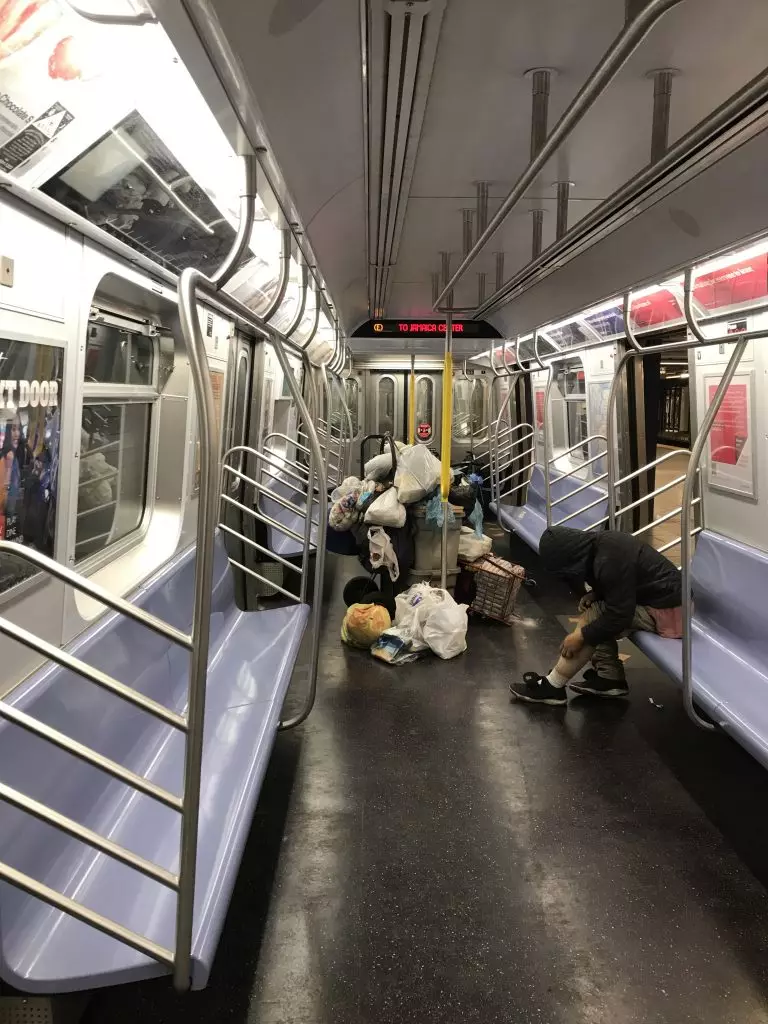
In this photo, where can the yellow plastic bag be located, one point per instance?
(363, 624)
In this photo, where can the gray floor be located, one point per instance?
(426, 851)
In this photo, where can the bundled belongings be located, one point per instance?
(418, 473)
(363, 624)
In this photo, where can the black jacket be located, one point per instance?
(621, 570)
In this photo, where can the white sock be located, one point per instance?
(557, 679)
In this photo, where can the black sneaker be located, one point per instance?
(536, 689)
(596, 686)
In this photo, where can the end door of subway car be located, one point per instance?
(387, 405)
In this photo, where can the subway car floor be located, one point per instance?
(426, 851)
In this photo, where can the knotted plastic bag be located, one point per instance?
(381, 553)
(363, 624)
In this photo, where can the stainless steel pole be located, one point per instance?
(563, 197)
(201, 620)
(537, 233)
(231, 262)
(662, 95)
(685, 533)
(611, 63)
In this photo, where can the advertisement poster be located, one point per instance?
(539, 395)
(48, 57)
(731, 458)
(30, 397)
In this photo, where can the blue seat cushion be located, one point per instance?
(729, 641)
(251, 660)
(278, 541)
(529, 521)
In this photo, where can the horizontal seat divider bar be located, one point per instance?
(101, 448)
(290, 440)
(91, 917)
(581, 465)
(505, 449)
(271, 460)
(93, 590)
(289, 462)
(674, 543)
(267, 491)
(654, 494)
(262, 550)
(665, 518)
(263, 579)
(652, 465)
(580, 511)
(92, 757)
(281, 480)
(94, 675)
(584, 487)
(263, 518)
(86, 835)
(579, 444)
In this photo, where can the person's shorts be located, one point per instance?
(667, 622)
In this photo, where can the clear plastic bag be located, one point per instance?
(386, 510)
(381, 553)
(418, 473)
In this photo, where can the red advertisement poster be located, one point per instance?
(654, 309)
(539, 409)
(737, 284)
(730, 431)
(731, 464)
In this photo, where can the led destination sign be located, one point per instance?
(424, 328)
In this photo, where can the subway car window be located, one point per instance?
(114, 356)
(425, 408)
(468, 408)
(385, 405)
(114, 456)
(352, 397)
(571, 383)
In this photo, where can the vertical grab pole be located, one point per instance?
(412, 402)
(201, 621)
(316, 464)
(685, 538)
(445, 470)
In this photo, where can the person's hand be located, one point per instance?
(587, 601)
(572, 644)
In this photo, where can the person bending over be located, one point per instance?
(631, 586)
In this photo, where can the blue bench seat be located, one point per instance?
(529, 521)
(278, 541)
(730, 640)
(252, 655)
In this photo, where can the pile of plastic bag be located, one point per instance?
(426, 618)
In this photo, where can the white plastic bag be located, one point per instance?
(418, 473)
(471, 547)
(445, 628)
(347, 486)
(386, 510)
(412, 608)
(379, 467)
(381, 553)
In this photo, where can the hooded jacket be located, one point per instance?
(621, 570)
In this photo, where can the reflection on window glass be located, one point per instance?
(467, 408)
(130, 184)
(385, 405)
(113, 356)
(114, 458)
(577, 427)
(352, 397)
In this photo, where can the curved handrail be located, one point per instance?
(231, 261)
(282, 284)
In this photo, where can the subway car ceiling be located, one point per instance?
(435, 101)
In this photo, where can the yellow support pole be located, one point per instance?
(445, 443)
(412, 403)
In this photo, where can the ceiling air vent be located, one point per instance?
(399, 43)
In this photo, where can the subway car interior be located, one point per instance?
(364, 360)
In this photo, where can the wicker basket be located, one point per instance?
(497, 583)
